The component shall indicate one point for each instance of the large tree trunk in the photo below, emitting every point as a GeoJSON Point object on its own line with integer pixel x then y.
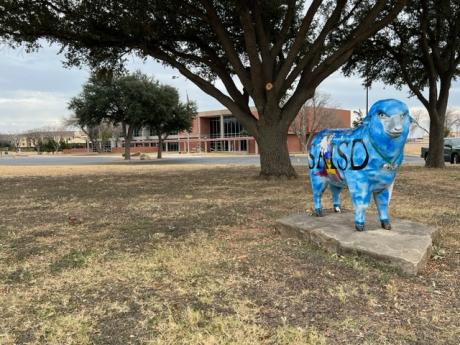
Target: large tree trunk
{"type": "Point", "coordinates": [160, 146]}
{"type": "Point", "coordinates": [127, 154]}
{"type": "Point", "coordinates": [128, 138]}
{"type": "Point", "coordinates": [435, 157]}
{"type": "Point", "coordinates": [274, 154]}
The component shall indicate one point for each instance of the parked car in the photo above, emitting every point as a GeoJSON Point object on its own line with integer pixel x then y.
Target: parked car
{"type": "Point", "coordinates": [451, 150]}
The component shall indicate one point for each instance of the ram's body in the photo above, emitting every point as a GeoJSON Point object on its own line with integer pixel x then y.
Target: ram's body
{"type": "Point", "coordinates": [364, 159]}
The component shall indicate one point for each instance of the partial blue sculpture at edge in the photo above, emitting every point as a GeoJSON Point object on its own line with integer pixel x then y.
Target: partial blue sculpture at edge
{"type": "Point", "coordinates": [364, 159]}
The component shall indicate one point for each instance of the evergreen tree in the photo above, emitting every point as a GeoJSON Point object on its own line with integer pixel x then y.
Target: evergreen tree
{"type": "Point", "coordinates": [133, 101]}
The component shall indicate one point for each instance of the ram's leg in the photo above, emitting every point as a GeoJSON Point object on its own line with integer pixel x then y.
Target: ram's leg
{"type": "Point", "coordinates": [336, 197]}
{"type": "Point", "coordinates": [318, 185]}
{"type": "Point", "coordinates": [382, 200]}
{"type": "Point", "coordinates": [361, 197]}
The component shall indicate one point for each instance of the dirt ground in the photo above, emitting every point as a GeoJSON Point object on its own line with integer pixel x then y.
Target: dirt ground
{"type": "Point", "coordinates": [190, 255]}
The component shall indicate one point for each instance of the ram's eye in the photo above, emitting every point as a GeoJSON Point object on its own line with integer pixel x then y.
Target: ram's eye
{"type": "Point", "coordinates": [382, 115]}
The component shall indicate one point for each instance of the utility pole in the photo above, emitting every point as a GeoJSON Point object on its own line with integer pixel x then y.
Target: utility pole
{"type": "Point", "coordinates": [367, 99]}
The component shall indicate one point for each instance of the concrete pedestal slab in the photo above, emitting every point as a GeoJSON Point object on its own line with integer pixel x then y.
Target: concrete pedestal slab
{"type": "Point", "coordinates": [407, 246]}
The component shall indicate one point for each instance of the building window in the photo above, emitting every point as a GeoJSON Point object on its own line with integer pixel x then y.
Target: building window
{"type": "Point", "coordinates": [214, 127]}
{"type": "Point", "coordinates": [171, 146]}
{"type": "Point", "coordinates": [232, 127]}
{"type": "Point", "coordinates": [137, 132]}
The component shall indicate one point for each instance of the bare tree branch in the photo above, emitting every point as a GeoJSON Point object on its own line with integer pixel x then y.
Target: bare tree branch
{"type": "Point", "coordinates": [287, 22]}
{"type": "Point", "coordinates": [297, 45]}
{"type": "Point", "coordinates": [227, 45]}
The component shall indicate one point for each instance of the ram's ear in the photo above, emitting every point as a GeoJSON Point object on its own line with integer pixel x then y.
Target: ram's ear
{"type": "Point", "coordinates": [367, 119]}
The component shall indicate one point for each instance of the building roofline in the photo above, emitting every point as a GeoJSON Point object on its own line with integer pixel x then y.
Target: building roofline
{"type": "Point", "coordinates": [218, 112]}
{"type": "Point", "coordinates": [225, 111]}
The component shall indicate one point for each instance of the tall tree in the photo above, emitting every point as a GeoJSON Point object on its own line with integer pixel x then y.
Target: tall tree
{"type": "Point", "coordinates": [167, 114]}
{"type": "Point", "coordinates": [118, 100]}
{"type": "Point", "coordinates": [157, 106]}
{"type": "Point", "coordinates": [133, 101]}
{"type": "Point", "coordinates": [258, 49]}
{"type": "Point", "coordinates": [419, 49]}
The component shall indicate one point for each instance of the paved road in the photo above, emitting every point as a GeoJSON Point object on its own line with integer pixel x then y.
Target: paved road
{"type": "Point", "coordinates": [57, 160]}
{"type": "Point", "coordinates": [85, 160]}
{"type": "Point", "coordinates": [246, 160]}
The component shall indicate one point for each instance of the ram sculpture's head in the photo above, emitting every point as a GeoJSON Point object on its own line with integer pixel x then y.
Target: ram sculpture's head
{"type": "Point", "coordinates": [389, 119]}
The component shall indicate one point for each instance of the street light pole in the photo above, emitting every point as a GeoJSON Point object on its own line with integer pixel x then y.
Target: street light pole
{"type": "Point", "coordinates": [367, 84]}
{"type": "Point", "coordinates": [367, 99]}
{"type": "Point", "coordinates": [188, 101]}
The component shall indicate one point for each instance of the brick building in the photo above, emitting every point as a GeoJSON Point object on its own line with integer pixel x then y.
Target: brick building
{"type": "Point", "coordinates": [217, 131]}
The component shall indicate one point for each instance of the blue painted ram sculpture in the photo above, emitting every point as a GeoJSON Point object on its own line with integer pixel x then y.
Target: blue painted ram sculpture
{"type": "Point", "coordinates": [364, 159]}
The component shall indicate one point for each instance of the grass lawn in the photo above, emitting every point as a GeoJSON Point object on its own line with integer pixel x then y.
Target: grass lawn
{"type": "Point", "coordinates": [130, 254]}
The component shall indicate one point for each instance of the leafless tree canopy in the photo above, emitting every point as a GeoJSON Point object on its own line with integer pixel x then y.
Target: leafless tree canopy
{"type": "Point", "coordinates": [97, 134]}
{"type": "Point", "coordinates": [316, 114]}
{"type": "Point", "coordinates": [452, 121]}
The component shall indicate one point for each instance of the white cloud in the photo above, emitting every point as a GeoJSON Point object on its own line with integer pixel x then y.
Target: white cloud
{"type": "Point", "coordinates": [26, 110]}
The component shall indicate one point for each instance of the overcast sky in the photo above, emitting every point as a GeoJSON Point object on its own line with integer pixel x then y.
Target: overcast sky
{"type": "Point", "coordinates": [35, 89]}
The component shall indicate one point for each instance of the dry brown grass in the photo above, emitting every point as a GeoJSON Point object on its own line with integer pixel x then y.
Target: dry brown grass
{"type": "Point", "coordinates": [189, 255]}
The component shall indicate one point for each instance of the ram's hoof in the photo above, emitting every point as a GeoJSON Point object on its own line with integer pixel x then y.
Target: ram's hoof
{"type": "Point", "coordinates": [337, 209]}
{"type": "Point", "coordinates": [318, 212]}
{"type": "Point", "coordinates": [359, 227]}
{"type": "Point", "coordinates": [386, 225]}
